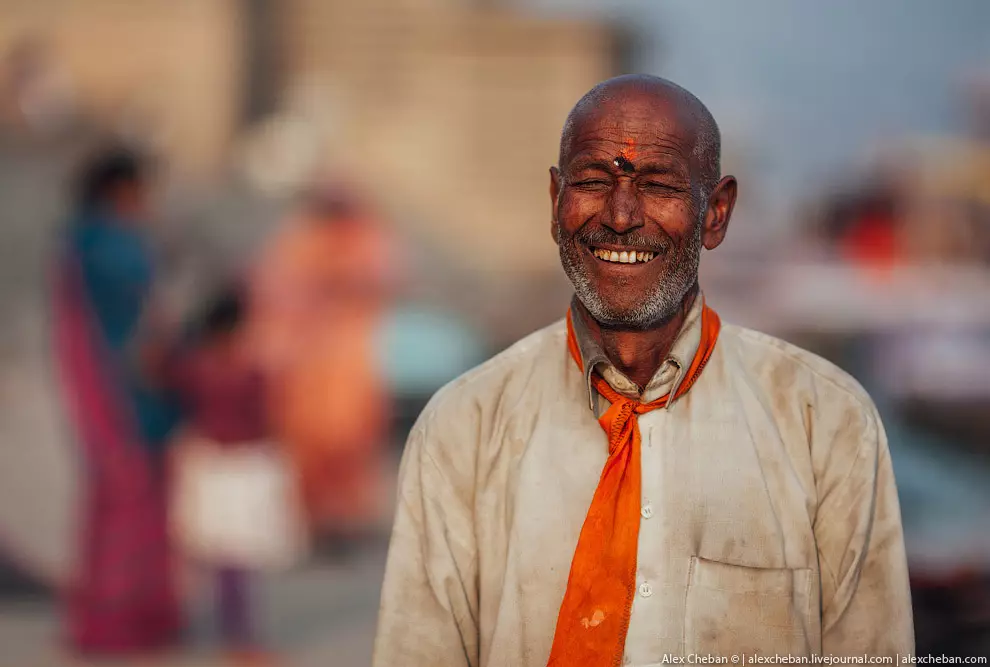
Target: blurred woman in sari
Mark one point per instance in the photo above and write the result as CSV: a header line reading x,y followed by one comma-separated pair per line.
x,y
121,599
318,296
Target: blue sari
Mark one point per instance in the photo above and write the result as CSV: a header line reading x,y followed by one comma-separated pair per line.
x,y
118,273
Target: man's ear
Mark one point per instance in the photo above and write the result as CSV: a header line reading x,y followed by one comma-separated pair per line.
x,y
720,205
555,182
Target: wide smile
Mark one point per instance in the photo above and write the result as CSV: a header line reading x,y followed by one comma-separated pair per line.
x,y
621,256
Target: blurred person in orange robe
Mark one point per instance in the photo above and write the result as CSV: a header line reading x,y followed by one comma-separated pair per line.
x,y
318,296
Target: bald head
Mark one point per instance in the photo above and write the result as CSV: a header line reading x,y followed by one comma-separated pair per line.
x,y
636,196
663,103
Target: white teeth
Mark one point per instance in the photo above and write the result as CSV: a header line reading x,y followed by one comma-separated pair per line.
x,y
624,257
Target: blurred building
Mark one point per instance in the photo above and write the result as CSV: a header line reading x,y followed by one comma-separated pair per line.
x,y
452,110
456,108
448,110
167,70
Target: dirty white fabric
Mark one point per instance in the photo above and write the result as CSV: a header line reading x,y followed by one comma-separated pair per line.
x,y
770,521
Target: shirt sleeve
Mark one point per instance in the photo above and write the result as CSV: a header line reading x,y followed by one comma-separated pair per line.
x,y
866,595
429,607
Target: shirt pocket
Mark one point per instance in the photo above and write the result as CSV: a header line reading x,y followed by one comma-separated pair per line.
x,y
733,610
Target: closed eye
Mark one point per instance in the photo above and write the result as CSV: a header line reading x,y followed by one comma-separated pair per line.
x,y
592,184
657,187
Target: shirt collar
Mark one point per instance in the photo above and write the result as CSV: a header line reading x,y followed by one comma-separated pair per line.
x,y
666,378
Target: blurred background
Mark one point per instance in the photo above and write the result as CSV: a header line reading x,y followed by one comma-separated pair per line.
x,y
346,202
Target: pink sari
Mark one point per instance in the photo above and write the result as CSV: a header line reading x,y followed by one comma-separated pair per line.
x,y
121,597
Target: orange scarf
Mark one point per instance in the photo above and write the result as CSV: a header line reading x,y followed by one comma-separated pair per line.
x,y
594,616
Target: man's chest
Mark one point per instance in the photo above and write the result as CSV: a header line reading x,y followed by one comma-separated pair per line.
x,y
727,488
719,491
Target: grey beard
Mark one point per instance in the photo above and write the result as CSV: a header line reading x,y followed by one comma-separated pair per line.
x,y
660,303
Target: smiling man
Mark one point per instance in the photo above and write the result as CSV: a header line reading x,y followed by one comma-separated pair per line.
x,y
638,481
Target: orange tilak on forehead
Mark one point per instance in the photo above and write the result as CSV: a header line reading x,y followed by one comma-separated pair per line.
x,y
629,149
626,156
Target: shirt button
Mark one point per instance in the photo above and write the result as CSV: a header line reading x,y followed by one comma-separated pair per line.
x,y
647,511
645,589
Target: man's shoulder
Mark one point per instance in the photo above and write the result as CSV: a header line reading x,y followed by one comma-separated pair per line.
x,y
489,380
781,363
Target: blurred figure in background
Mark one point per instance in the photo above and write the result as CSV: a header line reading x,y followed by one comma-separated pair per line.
x,y
319,294
121,599
870,238
863,226
221,508
35,91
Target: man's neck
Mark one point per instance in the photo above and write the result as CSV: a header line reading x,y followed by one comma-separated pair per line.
x,y
639,353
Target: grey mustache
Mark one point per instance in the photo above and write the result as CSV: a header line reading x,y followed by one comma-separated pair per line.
x,y
600,238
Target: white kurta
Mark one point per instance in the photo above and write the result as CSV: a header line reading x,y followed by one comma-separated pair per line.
x,y
770,521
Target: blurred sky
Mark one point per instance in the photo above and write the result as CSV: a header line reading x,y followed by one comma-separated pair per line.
x,y
808,87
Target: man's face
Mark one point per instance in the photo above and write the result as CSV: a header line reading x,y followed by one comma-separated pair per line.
x,y
629,212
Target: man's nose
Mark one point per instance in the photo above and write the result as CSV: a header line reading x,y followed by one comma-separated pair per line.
x,y
624,208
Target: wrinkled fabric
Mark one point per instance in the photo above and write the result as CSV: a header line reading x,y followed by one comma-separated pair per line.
x,y
769,514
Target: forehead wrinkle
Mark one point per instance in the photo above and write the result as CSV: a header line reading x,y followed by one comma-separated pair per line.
x,y
624,130
612,142
649,152
647,121
619,139
646,112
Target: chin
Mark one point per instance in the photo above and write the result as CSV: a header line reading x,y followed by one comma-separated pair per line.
x,y
625,306
618,316
630,313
